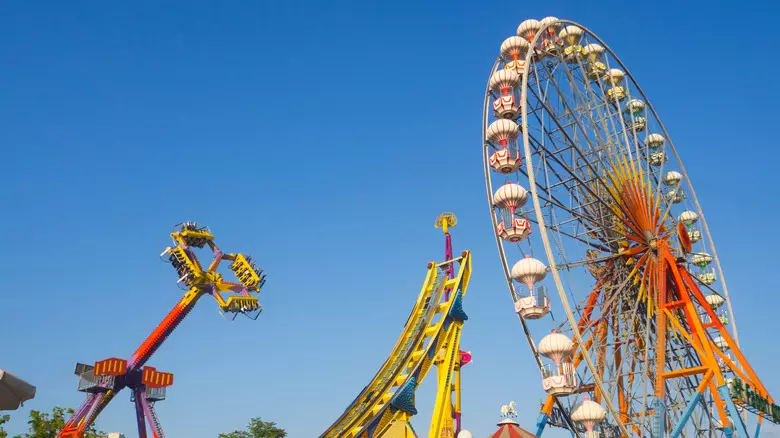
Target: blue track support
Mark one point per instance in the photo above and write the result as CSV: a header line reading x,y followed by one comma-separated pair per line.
x,y
758,428
658,425
729,431
542,421
723,391
686,415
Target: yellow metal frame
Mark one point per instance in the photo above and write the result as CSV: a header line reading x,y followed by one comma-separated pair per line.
x,y
404,363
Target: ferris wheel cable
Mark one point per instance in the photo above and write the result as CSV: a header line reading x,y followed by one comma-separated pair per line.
x,y
572,173
561,129
583,103
583,108
579,152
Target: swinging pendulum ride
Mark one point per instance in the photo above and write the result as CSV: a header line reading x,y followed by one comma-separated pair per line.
x,y
103,380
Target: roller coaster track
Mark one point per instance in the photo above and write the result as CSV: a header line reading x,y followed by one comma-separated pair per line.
x,y
430,337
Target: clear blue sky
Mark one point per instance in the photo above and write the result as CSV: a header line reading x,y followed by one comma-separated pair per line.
x,y
323,138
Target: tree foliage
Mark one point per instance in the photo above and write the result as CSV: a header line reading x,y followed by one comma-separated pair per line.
x,y
46,425
257,428
4,419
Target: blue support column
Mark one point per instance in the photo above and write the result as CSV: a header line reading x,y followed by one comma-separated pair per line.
x,y
758,428
723,391
659,419
540,423
686,415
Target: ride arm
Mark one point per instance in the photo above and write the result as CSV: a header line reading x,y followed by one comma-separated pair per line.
x,y
164,329
85,416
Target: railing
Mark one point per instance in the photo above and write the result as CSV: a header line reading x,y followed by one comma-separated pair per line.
x,y
537,300
565,369
151,394
89,382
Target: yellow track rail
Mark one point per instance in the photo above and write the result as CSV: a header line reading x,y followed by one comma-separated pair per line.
x,y
388,398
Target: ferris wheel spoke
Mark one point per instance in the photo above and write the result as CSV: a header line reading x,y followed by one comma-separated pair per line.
x,y
552,200
587,107
572,173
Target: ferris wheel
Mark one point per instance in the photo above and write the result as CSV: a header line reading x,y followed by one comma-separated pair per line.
x,y
609,261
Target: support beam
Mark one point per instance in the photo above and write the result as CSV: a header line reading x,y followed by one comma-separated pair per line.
x,y
685,372
686,415
723,390
541,421
139,413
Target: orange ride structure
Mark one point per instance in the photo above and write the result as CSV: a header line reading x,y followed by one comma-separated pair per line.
x,y
103,380
645,343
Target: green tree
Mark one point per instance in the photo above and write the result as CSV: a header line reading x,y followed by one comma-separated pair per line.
x,y
46,425
257,429
4,419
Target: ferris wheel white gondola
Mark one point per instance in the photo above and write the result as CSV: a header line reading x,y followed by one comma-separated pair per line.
x,y
551,26
614,80
508,198
528,28
654,141
593,52
549,43
688,218
707,278
675,196
595,69
635,107
560,379
534,305
695,235
588,413
636,123
504,83
503,135
571,37
555,346
701,259
513,51
529,271
657,158
672,177
714,300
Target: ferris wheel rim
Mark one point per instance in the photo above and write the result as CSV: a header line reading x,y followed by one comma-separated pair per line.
x,y
537,207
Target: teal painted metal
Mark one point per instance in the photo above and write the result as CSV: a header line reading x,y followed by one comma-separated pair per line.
x,y
724,393
540,423
686,415
658,425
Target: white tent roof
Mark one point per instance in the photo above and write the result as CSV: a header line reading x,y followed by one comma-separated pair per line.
x,y
13,391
